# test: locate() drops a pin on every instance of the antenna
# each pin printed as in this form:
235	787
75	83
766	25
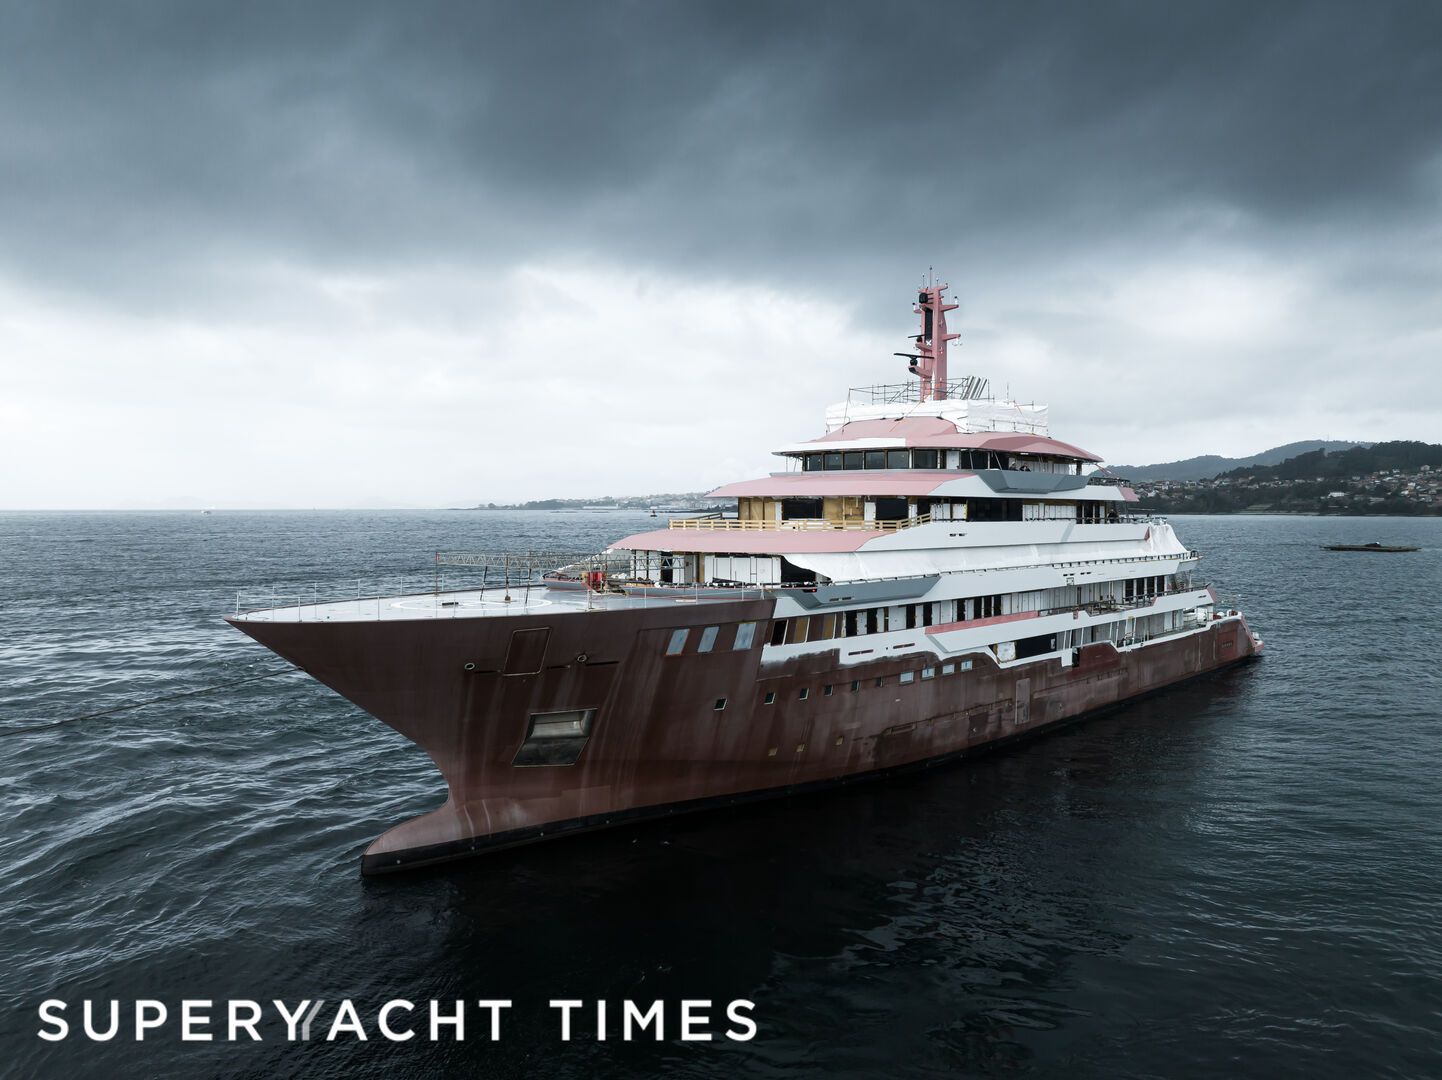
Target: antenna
929	362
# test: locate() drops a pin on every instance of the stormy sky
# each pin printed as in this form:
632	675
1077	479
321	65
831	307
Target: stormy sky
347	254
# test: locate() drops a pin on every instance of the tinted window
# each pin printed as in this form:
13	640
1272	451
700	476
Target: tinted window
876	459
851	459
898	459
890	509
923	459
833	460
800	508
811	463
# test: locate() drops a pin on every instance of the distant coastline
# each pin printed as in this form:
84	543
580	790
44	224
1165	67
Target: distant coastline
1401	478
667	502
1384	479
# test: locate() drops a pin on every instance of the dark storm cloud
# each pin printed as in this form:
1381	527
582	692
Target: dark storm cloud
147	150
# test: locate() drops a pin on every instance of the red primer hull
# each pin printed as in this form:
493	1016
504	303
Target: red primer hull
659	743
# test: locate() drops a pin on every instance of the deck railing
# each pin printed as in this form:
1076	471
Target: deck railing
797	524
716	521
969	388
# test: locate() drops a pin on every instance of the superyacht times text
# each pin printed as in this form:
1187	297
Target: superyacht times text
395	1020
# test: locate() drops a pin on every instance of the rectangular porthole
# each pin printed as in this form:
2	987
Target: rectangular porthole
878	680
804	693
928	673
855	685
965	665
720	704
907	676
948	669
770	697
827	691
677	643
708	639
745	633
555	738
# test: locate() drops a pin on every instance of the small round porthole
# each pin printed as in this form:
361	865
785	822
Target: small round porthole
470	667
581	658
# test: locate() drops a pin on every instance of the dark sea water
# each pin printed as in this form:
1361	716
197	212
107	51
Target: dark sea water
1238	877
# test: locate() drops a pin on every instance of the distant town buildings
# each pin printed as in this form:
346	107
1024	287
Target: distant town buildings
1391	491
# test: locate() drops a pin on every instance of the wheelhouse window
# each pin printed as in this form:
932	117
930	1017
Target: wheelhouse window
745	634
708	639
892	459
677	642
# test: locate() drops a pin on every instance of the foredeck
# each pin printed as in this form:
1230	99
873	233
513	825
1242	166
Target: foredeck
537	599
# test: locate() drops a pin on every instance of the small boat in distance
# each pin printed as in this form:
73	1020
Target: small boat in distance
1373	546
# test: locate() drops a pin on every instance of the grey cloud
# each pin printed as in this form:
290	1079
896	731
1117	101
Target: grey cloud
147	146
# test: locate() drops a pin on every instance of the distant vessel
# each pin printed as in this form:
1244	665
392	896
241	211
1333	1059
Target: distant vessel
1373	546
933	576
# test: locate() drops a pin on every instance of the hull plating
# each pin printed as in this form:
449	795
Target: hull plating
702	727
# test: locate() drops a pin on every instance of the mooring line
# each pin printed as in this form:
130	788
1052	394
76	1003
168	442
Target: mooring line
151	701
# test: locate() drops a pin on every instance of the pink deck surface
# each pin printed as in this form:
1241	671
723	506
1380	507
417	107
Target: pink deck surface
899	482
748	542
933	431
971	624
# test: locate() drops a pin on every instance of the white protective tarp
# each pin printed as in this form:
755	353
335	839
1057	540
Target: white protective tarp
968	415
